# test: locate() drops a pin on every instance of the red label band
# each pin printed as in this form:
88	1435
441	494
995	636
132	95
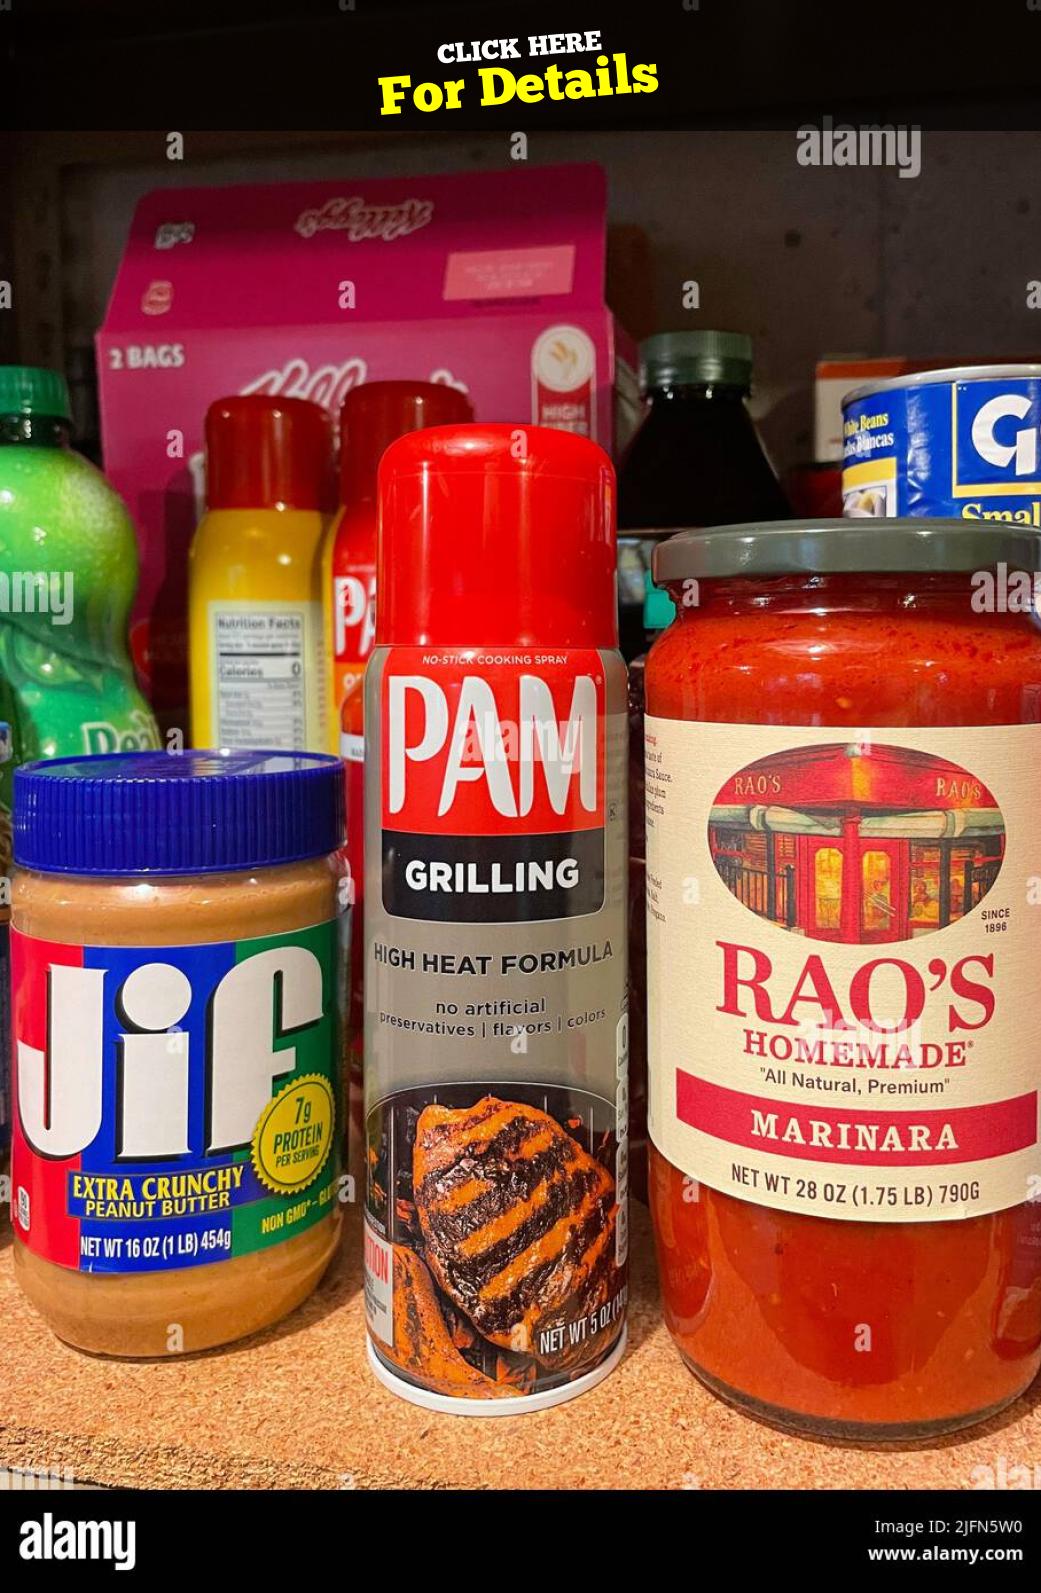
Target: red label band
867	1139
505	743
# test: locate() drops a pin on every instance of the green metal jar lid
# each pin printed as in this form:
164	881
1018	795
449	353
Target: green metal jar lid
845	547
33	390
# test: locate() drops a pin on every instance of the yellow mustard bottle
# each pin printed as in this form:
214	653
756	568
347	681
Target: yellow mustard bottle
258	670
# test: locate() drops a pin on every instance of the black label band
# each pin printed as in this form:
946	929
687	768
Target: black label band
493	879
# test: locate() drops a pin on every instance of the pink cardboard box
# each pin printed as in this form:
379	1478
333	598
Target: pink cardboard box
492	281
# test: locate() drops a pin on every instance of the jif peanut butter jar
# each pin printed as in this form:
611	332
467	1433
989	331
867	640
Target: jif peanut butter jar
176	1043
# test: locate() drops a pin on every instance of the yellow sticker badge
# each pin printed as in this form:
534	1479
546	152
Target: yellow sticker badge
293	1138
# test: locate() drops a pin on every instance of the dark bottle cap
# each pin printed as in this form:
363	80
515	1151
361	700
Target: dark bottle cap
679	359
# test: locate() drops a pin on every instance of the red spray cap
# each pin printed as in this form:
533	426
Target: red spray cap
376	413
263	451
496	536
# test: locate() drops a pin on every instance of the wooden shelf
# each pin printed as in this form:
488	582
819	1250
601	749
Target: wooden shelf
297	1407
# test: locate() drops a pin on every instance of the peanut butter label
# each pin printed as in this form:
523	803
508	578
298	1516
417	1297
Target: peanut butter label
844	1005
173	1105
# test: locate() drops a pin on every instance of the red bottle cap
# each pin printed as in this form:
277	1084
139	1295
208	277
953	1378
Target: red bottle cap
496	536
264	452
376	413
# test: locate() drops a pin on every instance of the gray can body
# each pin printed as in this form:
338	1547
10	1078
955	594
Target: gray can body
496	1038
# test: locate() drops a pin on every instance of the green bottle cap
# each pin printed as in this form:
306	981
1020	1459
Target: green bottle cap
659	610
672	359
33	390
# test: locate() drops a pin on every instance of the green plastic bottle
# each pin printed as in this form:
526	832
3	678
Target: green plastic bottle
68	572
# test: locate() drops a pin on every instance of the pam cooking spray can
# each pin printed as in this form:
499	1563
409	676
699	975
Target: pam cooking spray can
496	1040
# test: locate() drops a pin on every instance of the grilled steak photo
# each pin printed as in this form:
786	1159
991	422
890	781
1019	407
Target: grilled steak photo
422	1343
519	1226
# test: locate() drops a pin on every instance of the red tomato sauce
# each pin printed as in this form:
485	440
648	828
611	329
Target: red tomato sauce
765	1305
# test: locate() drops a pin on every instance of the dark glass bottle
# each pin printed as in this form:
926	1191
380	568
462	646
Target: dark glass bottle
697	460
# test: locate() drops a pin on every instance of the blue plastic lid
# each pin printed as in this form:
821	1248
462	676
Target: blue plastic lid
177	813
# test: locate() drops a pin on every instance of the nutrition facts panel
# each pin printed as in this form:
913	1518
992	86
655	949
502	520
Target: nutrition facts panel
261	657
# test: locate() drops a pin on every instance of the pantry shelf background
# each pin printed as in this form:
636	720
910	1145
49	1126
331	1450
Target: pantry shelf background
809	260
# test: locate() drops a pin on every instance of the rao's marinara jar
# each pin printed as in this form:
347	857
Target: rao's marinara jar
844	894
176	1014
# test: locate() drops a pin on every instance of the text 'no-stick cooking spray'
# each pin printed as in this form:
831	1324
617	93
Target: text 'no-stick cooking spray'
496	1040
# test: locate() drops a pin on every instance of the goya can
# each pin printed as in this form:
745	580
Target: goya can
964	442
496	1042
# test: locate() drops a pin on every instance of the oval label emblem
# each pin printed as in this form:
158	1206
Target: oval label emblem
856	841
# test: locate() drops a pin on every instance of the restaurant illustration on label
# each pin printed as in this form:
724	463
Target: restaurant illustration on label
857	842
